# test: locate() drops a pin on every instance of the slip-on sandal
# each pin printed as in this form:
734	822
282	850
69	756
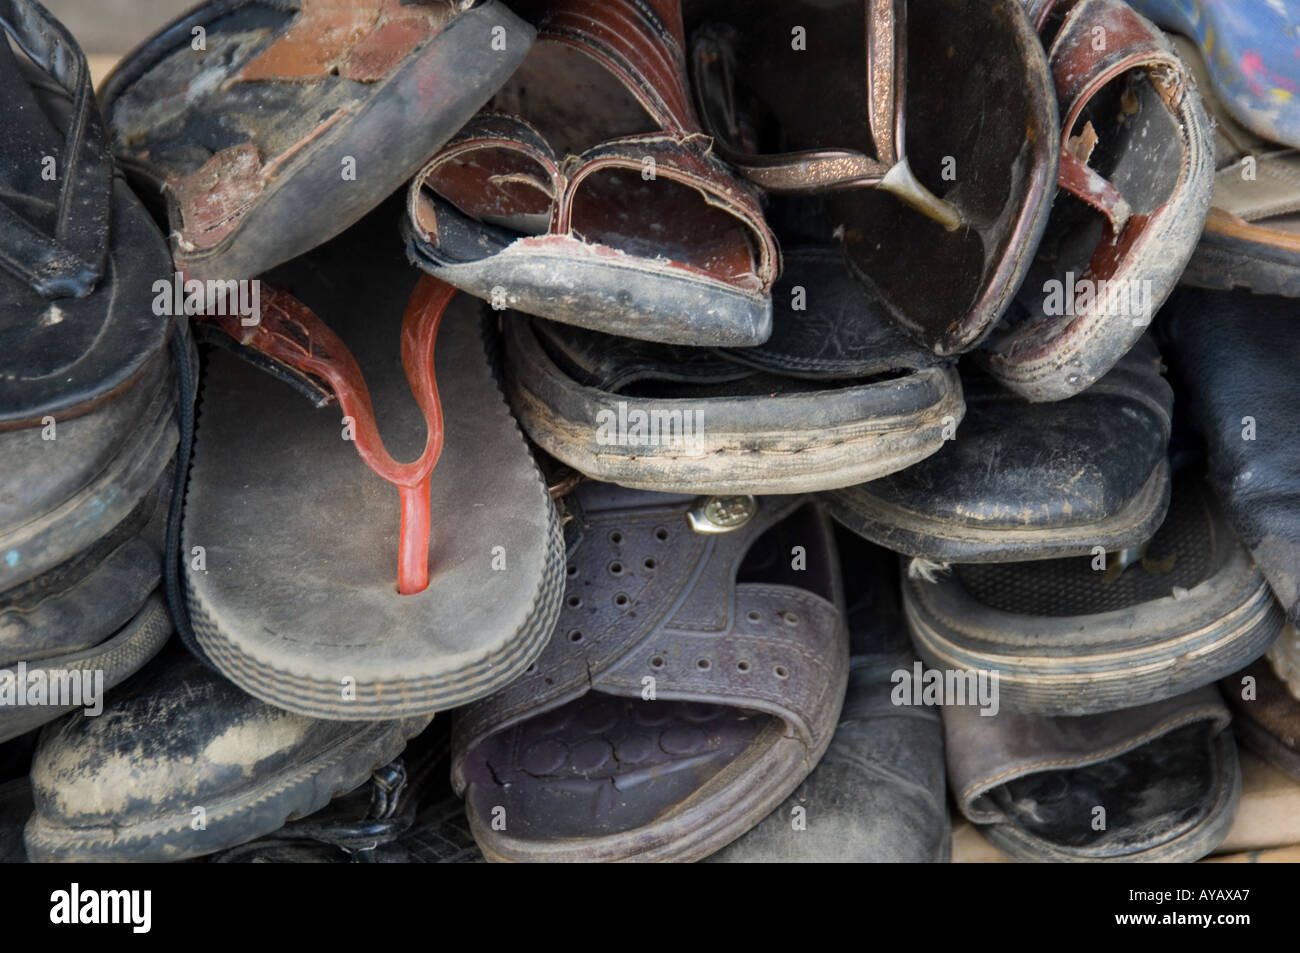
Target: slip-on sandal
1031	481
1252	234
693	680
587	193
227	769
878	794
940	222
1266	715
1156	783
273	125
1252	58
97	613
837	396
1235	355
87	390
1083	635
1137	169
295	598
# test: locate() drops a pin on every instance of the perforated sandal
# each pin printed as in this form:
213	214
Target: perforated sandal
87	388
1093	634
694	679
296	599
838	395
294	118
587	194
1162	779
960	199
115	788
1023	481
1137	168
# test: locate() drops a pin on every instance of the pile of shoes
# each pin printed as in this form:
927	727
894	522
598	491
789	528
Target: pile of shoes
648	430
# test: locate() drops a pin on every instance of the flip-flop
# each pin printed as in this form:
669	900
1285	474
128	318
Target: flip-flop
940	221
878	794
1252	234
1266	715
694	679
1156	783
227	769
87	391
1235	356
273	126
296	599
1086	635
1137	168
837	396
1031	481
588	194
1253	50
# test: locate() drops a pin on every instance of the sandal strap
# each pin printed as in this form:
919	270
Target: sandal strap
289	333
70	262
773	648
639	42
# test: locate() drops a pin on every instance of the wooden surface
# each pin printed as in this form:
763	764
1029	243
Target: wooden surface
1266	829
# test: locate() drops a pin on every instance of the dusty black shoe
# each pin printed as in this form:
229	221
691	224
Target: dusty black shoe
182	763
1030	481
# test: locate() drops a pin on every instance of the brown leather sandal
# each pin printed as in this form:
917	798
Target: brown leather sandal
588	194
942	230
1135	179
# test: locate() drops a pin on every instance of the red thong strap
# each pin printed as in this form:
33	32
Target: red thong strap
290	333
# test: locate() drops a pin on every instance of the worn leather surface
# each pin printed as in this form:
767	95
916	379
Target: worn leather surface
1268	723
1235	354
825	325
878	794
1018	465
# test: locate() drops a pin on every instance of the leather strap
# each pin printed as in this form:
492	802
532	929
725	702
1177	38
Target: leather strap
71	261
290	334
677	617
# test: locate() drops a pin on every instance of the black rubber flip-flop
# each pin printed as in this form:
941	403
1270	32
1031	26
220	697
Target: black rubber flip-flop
296	597
87	390
274	126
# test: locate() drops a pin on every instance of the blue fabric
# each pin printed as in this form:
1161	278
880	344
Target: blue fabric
1252	49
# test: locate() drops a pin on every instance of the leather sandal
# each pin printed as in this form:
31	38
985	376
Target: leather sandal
1136	174
837	396
695	677
1092	634
298	598
273	125
1156	783
961	196
1025	481
586	193
227	769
